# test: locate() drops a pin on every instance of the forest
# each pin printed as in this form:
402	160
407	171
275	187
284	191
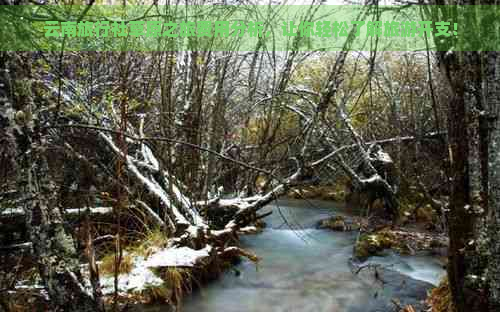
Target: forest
250	178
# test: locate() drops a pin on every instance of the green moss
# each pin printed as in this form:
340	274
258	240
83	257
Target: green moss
366	246
371	244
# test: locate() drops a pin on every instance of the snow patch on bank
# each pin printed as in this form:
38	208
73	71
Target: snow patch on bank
178	257
142	276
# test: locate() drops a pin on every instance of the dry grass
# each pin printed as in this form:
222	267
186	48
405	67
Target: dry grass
153	239
157	294
177	283
24	300
440	298
107	265
177	279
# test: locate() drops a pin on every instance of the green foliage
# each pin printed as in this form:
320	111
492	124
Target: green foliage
22	89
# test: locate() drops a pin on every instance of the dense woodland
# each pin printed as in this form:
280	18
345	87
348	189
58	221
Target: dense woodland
104	154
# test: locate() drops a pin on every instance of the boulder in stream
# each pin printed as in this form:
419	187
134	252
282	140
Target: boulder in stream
392	291
338	223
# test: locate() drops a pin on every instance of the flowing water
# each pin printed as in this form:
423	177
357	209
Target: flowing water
308	269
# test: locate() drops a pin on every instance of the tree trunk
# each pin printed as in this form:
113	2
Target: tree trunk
459	221
216	128
53	248
492	95
467	174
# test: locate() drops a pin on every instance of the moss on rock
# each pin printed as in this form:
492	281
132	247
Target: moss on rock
402	241
336	223
372	244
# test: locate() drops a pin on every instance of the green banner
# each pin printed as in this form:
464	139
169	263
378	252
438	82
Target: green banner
249	28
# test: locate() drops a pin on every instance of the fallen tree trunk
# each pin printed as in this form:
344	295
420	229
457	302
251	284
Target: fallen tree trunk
175	217
13	223
187	219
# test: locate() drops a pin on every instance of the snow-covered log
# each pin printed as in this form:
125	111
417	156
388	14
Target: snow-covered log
73	212
246	208
150	183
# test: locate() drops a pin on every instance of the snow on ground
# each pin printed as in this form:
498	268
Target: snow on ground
178	257
142	276
73	211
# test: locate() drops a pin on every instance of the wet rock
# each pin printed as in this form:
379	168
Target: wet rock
339	223
402	241
336	223
372	244
392	289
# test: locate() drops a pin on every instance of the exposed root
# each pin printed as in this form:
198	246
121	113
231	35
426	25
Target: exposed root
235	252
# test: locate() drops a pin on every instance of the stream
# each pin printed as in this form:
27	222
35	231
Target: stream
308	269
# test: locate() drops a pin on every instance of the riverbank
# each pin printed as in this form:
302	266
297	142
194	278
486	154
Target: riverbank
296	254
155	271
416	228
304	268
301	267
